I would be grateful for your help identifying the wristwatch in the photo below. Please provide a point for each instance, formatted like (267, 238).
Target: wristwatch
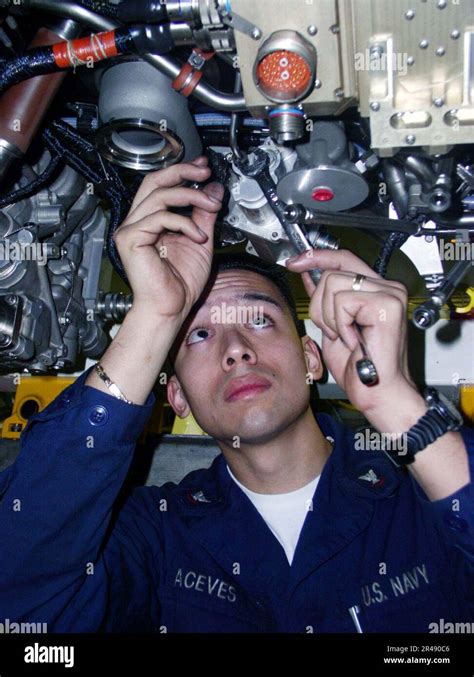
(441, 417)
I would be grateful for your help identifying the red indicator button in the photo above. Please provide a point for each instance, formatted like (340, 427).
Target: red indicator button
(322, 194)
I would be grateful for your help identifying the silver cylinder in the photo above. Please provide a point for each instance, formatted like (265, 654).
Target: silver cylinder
(145, 125)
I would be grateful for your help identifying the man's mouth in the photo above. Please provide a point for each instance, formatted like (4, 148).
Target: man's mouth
(245, 387)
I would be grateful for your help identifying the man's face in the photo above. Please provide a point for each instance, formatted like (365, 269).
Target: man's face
(240, 366)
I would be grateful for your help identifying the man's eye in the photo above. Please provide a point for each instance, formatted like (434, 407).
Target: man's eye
(261, 321)
(197, 335)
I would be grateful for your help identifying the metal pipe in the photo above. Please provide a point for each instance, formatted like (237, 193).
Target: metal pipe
(170, 67)
(422, 171)
(395, 178)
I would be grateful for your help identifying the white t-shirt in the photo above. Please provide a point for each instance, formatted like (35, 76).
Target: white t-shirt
(283, 513)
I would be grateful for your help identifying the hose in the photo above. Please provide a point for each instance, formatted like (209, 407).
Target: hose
(168, 66)
(96, 47)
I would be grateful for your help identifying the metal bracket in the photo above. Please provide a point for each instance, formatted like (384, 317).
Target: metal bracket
(238, 23)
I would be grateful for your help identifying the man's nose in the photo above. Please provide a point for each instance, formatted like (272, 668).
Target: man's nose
(237, 350)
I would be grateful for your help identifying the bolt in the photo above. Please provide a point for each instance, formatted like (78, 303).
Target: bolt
(438, 102)
(411, 60)
(256, 33)
(424, 43)
(375, 106)
(317, 84)
(455, 34)
(312, 29)
(338, 93)
(440, 51)
(275, 235)
(10, 299)
(410, 139)
(410, 14)
(376, 52)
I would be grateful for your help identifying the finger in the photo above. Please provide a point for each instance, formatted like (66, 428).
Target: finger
(148, 230)
(200, 161)
(171, 176)
(334, 282)
(206, 219)
(308, 284)
(326, 259)
(173, 197)
(383, 332)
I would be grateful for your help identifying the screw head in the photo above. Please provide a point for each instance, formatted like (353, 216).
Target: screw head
(440, 51)
(335, 28)
(338, 93)
(424, 43)
(376, 52)
(441, 4)
(455, 34)
(256, 33)
(411, 60)
(410, 14)
(312, 29)
(438, 102)
(275, 235)
(375, 106)
(317, 83)
(410, 139)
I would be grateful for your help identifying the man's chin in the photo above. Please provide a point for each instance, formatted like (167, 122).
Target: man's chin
(255, 427)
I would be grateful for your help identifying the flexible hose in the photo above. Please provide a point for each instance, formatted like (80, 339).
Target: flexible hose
(93, 48)
(167, 65)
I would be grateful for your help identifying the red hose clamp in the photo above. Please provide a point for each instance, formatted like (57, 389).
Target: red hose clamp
(191, 72)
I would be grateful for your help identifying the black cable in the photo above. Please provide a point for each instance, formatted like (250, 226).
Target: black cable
(393, 241)
(102, 7)
(43, 180)
(137, 39)
(82, 156)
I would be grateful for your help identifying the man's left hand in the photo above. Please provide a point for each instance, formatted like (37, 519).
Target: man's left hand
(379, 308)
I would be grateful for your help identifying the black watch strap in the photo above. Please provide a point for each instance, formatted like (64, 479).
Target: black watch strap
(437, 421)
(428, 428)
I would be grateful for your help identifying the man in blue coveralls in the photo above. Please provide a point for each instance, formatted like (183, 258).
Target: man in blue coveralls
(296, 527)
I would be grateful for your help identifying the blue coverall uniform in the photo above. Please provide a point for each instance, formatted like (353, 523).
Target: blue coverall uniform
(198, 557)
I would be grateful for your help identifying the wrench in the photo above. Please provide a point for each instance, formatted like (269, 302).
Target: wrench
(259, 171)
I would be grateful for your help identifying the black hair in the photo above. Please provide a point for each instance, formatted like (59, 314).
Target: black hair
(272, 271)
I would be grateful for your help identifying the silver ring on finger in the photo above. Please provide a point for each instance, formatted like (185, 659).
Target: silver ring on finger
(357, 282)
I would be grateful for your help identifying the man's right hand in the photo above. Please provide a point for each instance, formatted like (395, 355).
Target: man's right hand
(167, 256)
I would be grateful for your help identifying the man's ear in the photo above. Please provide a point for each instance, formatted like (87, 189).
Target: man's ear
(312, 356)
(177, 398)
